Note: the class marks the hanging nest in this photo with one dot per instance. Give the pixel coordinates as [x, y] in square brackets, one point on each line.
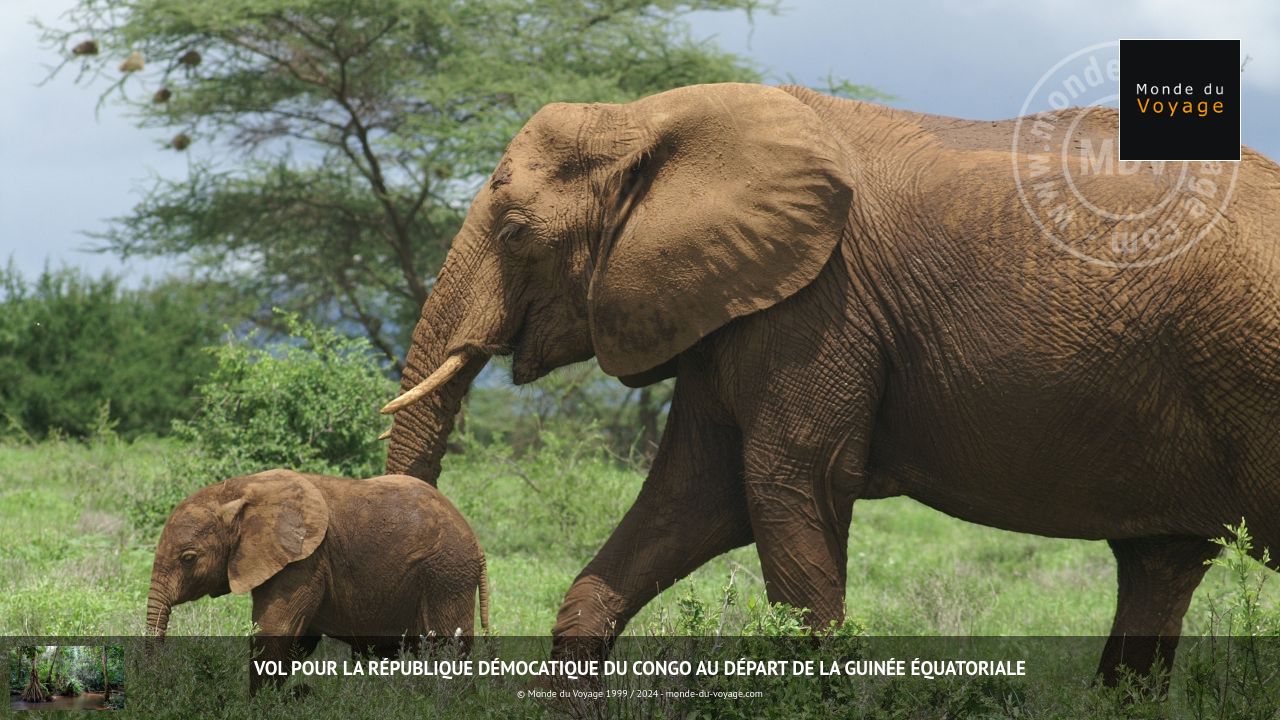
[88, 47]
[133, 63]
[162, 96]
[34, 692]
[181, 141]
[190, 58]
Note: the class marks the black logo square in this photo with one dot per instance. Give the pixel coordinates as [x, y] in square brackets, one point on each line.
[1179, 99]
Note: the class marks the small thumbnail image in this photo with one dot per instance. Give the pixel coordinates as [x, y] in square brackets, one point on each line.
[66, 677]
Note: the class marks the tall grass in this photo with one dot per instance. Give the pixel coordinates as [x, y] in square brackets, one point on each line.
[73, 561]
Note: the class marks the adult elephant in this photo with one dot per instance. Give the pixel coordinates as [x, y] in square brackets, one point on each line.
[855, 304]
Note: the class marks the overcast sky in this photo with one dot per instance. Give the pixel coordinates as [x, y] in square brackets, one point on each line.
[63, 172]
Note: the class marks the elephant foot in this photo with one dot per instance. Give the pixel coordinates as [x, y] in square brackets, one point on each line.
[577, 696]
[588, 621]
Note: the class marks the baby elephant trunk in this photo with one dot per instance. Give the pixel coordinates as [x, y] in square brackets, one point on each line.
[157, 614]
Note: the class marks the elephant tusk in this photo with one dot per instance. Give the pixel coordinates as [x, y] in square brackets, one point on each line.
[442, 375]
[386, 433]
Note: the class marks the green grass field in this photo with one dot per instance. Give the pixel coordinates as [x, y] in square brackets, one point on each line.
[78, 523]
[72, 560]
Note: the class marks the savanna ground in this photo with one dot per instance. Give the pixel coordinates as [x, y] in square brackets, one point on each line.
[77, 533]
[73, 563]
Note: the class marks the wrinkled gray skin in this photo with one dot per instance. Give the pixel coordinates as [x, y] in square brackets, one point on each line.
[366, 561]
[855, 304]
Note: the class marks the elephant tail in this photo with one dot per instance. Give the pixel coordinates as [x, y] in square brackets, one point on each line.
[483, 592]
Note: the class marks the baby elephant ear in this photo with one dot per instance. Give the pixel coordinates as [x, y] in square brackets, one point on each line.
[275, 518]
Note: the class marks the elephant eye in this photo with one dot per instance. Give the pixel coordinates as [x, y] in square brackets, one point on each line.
[188, 557]
[509, 233]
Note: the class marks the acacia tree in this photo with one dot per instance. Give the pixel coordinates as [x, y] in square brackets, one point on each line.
[356, 129]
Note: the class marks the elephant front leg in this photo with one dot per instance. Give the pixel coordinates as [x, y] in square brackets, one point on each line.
[283, 608]
[690, 509]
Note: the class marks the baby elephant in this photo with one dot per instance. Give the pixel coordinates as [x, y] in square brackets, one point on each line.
[364, 561]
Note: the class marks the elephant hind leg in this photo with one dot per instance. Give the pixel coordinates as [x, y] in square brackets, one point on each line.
[803, 546]
[450, 614]
[1156, 578]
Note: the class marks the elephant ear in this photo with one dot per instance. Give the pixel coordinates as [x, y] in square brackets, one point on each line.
[276, 517]
[733, 200]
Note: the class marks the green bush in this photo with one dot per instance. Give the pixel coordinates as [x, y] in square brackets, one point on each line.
[1233, 669]
[309, 403]
[71, 345]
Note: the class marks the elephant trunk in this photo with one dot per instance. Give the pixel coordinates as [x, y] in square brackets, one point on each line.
[451, 344]
[157, 613]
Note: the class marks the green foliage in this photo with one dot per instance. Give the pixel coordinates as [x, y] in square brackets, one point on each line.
[19, 663]
[311, 406]
[362, 126]
[79, 354]
[78, 667]
[1234, 671]
[360, 130]
[695, 615]
[308, 404]
[775, 619]
[89, 667]
[1244, 610]
[72, 563]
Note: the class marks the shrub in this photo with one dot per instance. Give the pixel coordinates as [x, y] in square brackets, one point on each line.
[309, 403]
[71, 345]
[1232, 669]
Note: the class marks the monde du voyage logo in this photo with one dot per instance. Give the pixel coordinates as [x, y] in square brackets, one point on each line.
[1177, 151]
[1180, 100]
